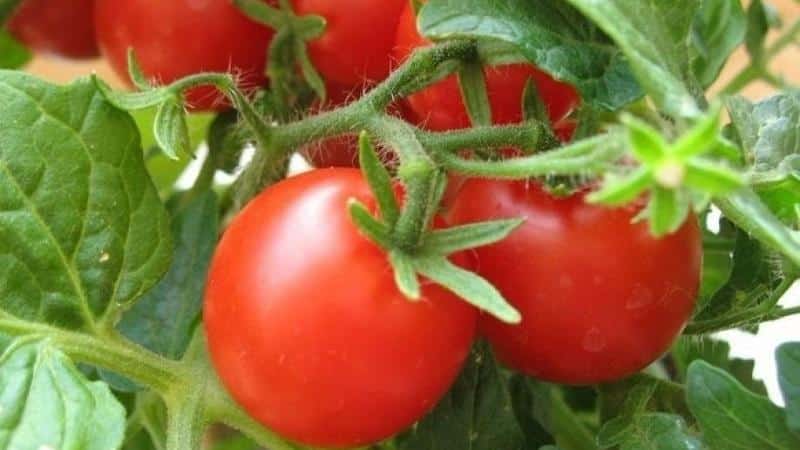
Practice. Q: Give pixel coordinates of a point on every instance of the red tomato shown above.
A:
(176, 38)
(358, 40)
(307, 329)
(440, 107)
(64, 28)
(599, 296)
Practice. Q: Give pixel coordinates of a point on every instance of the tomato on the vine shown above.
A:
(63, 28)
(359, 35)
(440, 107)
(176, 38)
(307, 328)
(600, 297)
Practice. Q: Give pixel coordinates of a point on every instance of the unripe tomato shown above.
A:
(440, 107)
(600, 297)
(307, 329)
(357, 44)
(63, 28)
(176, 38)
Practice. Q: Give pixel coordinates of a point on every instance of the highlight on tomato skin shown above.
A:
(177, 38)
(440, 107)
(600, 297)
(62, 28)
(307, 329)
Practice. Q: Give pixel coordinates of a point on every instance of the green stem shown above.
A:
(570, 432)
(786, 38)
(7, 8)
(743, 78)
(526, 136)
(119, 356)
(762, 313)
(185, 420)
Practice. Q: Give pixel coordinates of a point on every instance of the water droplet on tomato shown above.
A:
(594, 341)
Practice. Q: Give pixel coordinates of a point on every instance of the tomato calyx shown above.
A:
(429, 258)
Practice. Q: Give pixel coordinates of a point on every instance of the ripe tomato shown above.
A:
(599, 296)
(440, 107)
(176, 38)
(357, 43)
(64, 28)
(307, 329)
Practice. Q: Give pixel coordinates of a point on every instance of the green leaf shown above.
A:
(49, 404)
(533, 403)
(788, 358)
(653, 431)
(689, 349)
(620, 191)
(379, 180)
(476, 414)
(470, 287)
(163, 320)
(646, 142)
(654, 36)
(473, 90)
(550, 34)
(749, 213)
(88, 231)
(711, 178)
(226, 141)
(367, 224)
(13, 54)
(451, 240)
(621, 401)
(171, 130)
(718, 29)
(731, 417)
(667, 210)
(405, 275)
(760, 18)
(770, 135)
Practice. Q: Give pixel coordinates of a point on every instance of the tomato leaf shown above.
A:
(171, 130)
(550, 34)
(379, 180)
(622, 401)
(689, 349)
(760, 18)
(89, 232)
(48, 403)
(654, 37)
(719, 28)
(657, 431)
(163, 320)
(476, 414)
(472, 81)
(470, 287)
(730, 416)
(13, 54)
(451, 240)
(405, 275)
(788, 358)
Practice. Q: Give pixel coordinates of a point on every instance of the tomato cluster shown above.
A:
(305, 324)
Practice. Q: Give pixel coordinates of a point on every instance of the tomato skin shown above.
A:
(307, 329)
(600, 298)
(358, 40)
(63, 28)
(177, 38)
(440, 107)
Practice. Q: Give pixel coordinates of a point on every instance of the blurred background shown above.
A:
(760, 347)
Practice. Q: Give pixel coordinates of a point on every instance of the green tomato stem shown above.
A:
(110, 353)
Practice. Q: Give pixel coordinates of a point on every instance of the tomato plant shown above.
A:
(587, 269)
(175, 39)
(440, 107)
(356, 360)
(575, 204)
(61, 28)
